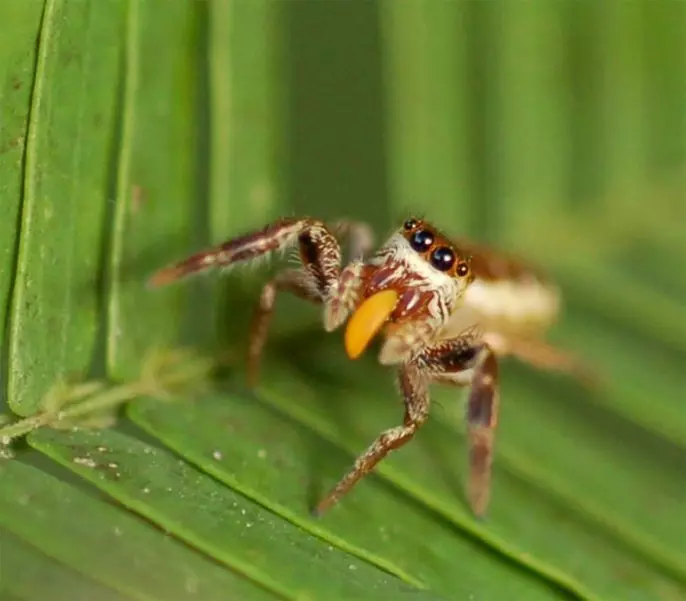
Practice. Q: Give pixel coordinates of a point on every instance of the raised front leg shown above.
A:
(321, 278)
(416, 394)
(466, 362)
(318, 249)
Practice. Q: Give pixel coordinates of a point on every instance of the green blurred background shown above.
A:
(133, 132)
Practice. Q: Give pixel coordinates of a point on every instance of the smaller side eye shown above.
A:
(462, 269)
(410, 224)
(443, 258)
(421, 240)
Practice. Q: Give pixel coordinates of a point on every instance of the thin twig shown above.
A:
(163, 376)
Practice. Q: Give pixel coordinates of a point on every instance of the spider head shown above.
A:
(418, 275)
(424, 245)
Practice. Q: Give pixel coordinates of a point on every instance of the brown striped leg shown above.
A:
(296, 281)
(318, 248)
(463, 361)
(482, 419)
(319, 280)
(416, 393)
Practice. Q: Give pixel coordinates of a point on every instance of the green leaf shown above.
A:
(216, 520)
(624, 482)
(155, 212)
(524, 71)
(257, 450)
(66, 189)
(26, 567)
(134, 132)
(246, 124)
(424, 472)
(105, 543)
(17, 49)
(428, 106)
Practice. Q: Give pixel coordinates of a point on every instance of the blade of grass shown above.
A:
(621, 298)
(620, 29)
(18, 49)
(73, 527)
(532, 150)
(54, 309)
(426, 51)
(242, 50)
(595, 233)
(155, 206)
(627, 328)
(333, 154)
(30, 574)
(214, 519)
(246, 185)
(665, 67)
(658, 261)
(612, 484)
(279, 463)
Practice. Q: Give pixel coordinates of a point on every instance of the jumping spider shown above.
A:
(447, 310)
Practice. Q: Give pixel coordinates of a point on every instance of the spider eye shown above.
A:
(421, 240)
(410, 224)
(462, 269)
(443, 258)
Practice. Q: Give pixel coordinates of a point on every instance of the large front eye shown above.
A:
(443, 258)
(421, 240)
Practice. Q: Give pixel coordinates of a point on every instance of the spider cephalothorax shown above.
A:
(445, 309)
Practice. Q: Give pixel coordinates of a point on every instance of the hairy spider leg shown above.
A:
(416, 394)
(462, 361)
(321, 278)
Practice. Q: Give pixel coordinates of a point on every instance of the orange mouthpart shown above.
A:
(367, 320)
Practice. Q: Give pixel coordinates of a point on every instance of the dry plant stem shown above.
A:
(158, 385)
